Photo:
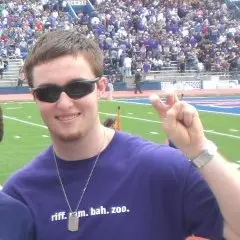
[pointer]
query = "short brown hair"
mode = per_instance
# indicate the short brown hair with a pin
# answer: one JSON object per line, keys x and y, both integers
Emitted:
{"x": 60, "y": 43}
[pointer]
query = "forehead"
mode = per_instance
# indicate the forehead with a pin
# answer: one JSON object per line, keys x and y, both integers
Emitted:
{"x": 62, "y": 70}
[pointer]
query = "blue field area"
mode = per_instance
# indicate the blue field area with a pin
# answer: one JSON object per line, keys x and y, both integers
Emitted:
{"x": 225, "y": 104}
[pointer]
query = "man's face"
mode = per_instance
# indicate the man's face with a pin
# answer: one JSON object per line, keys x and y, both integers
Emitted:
{"x": 68, "y": 119}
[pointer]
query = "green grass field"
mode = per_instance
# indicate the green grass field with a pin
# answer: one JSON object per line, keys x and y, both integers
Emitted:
{"x": 25, "y": 135}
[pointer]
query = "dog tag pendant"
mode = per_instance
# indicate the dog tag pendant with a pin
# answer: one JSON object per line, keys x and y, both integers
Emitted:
{"x": 73, "y": 222}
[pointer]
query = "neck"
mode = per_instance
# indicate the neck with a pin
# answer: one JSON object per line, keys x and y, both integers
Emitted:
{"x": 86, "y": 146}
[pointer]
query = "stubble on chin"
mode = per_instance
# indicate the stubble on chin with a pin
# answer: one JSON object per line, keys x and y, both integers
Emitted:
{"x": 67, "y": 137}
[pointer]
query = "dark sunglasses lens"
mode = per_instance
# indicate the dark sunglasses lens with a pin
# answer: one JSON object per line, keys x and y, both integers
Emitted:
{"x": 77, "y": 90}
{"x": 48, "y": 94}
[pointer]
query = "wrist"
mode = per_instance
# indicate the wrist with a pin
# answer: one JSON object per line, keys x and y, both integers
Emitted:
{"x": 205, "y": 155}
{"x": 194, "y": 150}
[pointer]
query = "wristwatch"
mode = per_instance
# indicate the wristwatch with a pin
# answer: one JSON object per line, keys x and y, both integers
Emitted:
{"x": 206, "y": 155}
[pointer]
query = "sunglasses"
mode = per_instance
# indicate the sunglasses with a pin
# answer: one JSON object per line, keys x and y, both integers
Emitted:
{"x": 75, "y": 89}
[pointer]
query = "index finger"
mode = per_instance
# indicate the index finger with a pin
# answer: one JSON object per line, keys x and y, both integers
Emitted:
{"x": 159, "y": 105}
{"x": 171, "y": 97}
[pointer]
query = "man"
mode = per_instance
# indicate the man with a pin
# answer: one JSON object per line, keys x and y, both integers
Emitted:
{"x": 110, "y": 90}
{"x": 20, "y": 78}
{"x": 95, "y": 183}
{"x": 1, "y": 68}
{"x": 137, "y": 80}
{"x": 16, "y": 221}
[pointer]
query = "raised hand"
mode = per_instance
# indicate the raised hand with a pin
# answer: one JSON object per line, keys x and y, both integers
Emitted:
{"x": 181, "y": 123}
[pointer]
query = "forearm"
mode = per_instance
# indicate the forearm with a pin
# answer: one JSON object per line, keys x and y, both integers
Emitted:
{"x": 229, "y": 233}
{"x": 224, "y": 180}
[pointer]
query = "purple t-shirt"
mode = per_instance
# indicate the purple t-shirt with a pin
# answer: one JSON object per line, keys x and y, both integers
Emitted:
{"x": 16, "y": 222}
{"x": 139, "y": 190}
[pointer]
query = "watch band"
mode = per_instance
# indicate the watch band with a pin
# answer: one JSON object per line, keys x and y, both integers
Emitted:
{"x": 206, "y": 155}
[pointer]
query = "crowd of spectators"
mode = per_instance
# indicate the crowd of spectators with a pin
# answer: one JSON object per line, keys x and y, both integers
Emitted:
{"x": 134, "y": 34}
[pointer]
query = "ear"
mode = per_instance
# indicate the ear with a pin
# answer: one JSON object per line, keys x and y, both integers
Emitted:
{"x": 101, "y": 86}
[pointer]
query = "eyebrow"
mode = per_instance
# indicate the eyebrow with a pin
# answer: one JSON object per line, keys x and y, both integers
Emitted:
{"x": 46, "y": 85}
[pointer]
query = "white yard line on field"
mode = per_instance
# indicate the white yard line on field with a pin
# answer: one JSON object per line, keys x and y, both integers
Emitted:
{"x": 13, "y": 108}
{"x": 149, "y": 104}
{"x": 45, "y": 136}
{"x": 17, "y": 137}
{"x": 123, "y": 116}
{"x": 14, "y": 102}
{"x": 154, "y": 133}
{"x": 26, "y": 122}
{"x": 233, "y": 130}
{"x": 222, "y": 134}
{"x": 135, "y": 118}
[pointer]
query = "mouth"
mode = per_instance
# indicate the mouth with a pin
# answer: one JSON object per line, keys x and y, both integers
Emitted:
{"x": 66, "y": 118}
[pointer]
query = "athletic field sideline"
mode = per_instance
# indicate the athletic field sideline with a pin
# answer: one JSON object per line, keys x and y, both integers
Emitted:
{"x": 26, "y": 135}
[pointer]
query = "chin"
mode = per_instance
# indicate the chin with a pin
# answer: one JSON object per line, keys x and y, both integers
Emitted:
{"x": 69, "y": 137}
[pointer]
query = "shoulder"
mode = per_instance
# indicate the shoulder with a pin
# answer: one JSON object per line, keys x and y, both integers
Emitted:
{"x": 10, "y": 207}
{"x": 16, "y": 221}
{"x": 151, "y": 155}
{"x": 159, "y": 165}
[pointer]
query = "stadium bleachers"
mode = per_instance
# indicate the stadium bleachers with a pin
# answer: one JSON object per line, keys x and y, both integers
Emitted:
{"x": 159, "y": 37}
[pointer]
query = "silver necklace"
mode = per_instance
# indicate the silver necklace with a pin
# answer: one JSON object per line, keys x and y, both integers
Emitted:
{"x": 73, "y": 218}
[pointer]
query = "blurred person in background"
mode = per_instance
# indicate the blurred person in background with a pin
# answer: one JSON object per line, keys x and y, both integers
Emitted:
{"x": 137, "y": 81}
{"x": 1, "y": 68}
{"x": 110, "y": 123}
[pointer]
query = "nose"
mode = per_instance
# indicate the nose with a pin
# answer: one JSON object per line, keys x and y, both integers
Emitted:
{"x": 64, "y": 101}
